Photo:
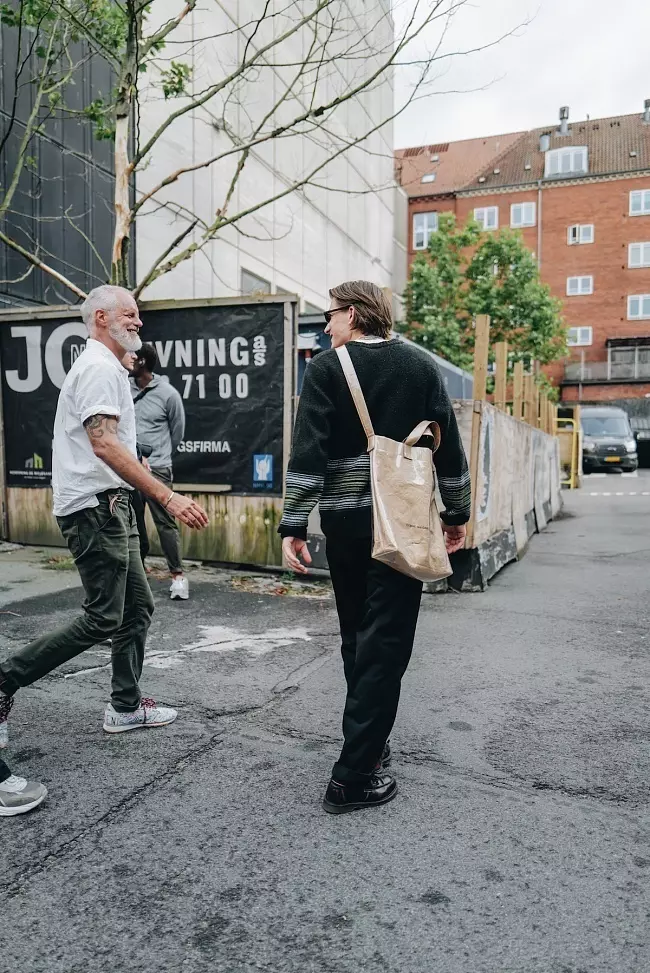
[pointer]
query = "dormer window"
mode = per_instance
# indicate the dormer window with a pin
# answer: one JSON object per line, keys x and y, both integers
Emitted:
{"x": 569, "y": 161}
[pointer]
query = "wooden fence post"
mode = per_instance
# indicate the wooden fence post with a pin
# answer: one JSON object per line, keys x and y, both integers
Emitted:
{"x": 501, "y": 380}
{"x": 518, "y": 390}
{"x": 481, "y": 353}
{"x": 543, "y": 412}
{"x": 528, "y": 398}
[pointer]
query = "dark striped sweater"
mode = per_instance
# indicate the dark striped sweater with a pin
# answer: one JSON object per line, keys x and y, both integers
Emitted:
{"x": 329, "y": 461}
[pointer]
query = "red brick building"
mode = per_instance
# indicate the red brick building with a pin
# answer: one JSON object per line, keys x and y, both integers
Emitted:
{"x": 580, "y": 194}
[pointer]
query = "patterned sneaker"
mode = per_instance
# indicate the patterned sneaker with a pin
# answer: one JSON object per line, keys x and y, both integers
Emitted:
{"x": 6, "y": 702}
{"x": 180, "y": 589}
{"x": 17, "y": 796}
{"x": 149, "y": 714}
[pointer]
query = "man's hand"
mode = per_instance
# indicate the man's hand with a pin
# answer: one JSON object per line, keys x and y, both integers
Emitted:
{"x": 294, "y": 548}
{"x": 146, "y": 464}
{"x": 454, "y": 537}
{"x": 187, "y": 511}
{"x": 102, "y": 433}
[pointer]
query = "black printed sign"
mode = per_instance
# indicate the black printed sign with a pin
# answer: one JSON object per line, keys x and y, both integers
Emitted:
{"x": 227, "y": 362}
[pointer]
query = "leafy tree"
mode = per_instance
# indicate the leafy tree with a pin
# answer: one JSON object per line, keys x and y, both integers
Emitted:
{"x": 272, "y": 71}
{"x": 466, "y": 272}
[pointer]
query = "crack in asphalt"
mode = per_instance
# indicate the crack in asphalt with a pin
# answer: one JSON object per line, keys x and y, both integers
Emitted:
{"x": 288, "y": 685}
{"x": 513, "y": 782}
{"x": 14, "y": 887}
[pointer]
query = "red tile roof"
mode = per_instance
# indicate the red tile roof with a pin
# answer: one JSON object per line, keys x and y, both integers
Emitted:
{"x": 620, "y": 144}
{"x": 458, "y": 163}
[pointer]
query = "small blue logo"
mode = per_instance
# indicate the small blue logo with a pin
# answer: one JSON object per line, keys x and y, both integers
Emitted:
{"x": 263, "y": 468}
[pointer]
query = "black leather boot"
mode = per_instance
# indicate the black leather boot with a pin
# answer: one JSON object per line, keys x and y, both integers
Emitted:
{"x": 340, "y": 798}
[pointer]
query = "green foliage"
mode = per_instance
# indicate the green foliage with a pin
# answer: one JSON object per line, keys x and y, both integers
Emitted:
{"x": 175, "y": 78}
{"x": 468, "y": 272}
{"x": 100, "y": 114}
{"x": 546, "y": 385}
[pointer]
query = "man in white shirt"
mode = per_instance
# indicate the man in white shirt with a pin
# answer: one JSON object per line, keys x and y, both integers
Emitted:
{"x": 94, "y": 469}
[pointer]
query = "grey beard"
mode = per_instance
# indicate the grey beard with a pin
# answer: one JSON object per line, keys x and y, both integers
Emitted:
{"x": 125, "y": 340}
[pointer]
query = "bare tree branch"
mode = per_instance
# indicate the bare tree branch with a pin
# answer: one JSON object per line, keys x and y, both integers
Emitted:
{"x": 33, "y": 259}
{"x": 172, "y": 246}
{"x": 160, "y": 35}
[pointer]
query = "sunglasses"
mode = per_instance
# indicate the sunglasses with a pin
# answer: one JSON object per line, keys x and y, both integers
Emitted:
{"x": 335, "y": 310}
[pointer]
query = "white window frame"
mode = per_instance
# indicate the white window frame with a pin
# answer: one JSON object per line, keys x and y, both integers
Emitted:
{"x": 583, "y": 337}
{"x": 643, "y": 197}
{"x": 567, "y": 161}
{"x": 482, "y": 217}
{"x": 430, "y": 217}
{"x": 527, "y": 215}
{"x": 428, "y": 177}
{"x": 580, "y": 234}
{"x": 582, "y": 288}
{"x": 638, "y": 255}
{"x": 642, "y": 299}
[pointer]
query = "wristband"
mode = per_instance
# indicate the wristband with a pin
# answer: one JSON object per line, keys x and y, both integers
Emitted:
{"x": 168, "y": 500}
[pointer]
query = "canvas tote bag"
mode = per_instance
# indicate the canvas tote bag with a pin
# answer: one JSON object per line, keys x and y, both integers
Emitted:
{"x": 407, "y": 534}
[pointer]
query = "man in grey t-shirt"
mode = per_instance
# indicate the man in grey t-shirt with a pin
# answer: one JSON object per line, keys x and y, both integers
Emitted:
{"x": 160, "y": 424}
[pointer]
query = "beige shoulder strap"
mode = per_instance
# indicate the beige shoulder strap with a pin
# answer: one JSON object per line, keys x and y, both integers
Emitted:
{"x": 355, "y": 389}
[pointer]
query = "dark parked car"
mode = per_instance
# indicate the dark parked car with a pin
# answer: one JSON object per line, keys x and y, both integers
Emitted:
{"x": 608, "y": 440}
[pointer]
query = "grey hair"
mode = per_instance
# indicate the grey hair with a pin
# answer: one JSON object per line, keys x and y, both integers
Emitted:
{"x": 102, "y": 298}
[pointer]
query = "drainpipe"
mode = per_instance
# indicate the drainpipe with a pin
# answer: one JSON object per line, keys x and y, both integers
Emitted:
{"x": 539, "y": 224}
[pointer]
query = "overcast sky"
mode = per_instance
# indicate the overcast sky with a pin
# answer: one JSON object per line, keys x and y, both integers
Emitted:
{"x": 592, "y": 55}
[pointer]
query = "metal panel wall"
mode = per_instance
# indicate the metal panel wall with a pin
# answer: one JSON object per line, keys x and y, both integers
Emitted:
{"x": 64, "y": 197}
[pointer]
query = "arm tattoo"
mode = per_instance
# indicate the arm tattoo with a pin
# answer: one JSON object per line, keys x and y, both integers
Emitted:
{"x": 97, "y": 426}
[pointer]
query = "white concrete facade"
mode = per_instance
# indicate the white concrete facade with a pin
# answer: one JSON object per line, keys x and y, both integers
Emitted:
{"x": 339, "y": 229}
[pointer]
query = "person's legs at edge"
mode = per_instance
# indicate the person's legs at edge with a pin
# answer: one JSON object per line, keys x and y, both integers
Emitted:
{"x": 170, "y": 539}
{"x": 98, "y": 540}
{"x": 127, "y": 709}
{"x": 384, "y": 643}
{"x": 17, "y": 795}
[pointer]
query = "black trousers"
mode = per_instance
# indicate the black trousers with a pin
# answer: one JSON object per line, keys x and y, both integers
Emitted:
{"x": 4, "y": 771}
{"x": 378, "y": 612}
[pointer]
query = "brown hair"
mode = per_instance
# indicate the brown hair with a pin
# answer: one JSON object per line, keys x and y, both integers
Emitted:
{"x": 372, "y": 311}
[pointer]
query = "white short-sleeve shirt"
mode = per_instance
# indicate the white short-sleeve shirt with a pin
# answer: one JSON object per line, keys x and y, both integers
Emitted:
{"x": 97, "y": 384}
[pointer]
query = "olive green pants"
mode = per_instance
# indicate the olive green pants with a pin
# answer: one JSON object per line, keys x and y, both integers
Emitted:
{"x": 105, "y": 545}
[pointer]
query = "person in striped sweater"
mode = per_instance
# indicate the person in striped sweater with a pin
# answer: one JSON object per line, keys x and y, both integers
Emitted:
{"x": 377, "y": 606}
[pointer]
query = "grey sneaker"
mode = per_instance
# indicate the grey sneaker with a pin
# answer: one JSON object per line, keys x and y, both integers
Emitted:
{"x": 6, "y": 702}
{"x": 149, "y": 714}
{"x": 18, "y": 796}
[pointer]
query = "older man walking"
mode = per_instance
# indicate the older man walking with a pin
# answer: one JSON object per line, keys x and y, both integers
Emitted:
{"x": 94, "y": 469}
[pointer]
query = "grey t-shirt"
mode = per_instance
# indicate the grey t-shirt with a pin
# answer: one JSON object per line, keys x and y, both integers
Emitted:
{"x": 160, "y": 419}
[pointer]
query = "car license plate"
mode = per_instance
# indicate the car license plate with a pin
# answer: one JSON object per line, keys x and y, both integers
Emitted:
{"x": 612, "y": 459}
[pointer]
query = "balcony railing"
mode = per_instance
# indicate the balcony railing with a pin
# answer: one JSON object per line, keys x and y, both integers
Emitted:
{"x": 603, "y": 371}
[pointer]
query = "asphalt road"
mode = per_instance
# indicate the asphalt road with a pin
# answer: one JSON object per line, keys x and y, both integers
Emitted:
{"x": 520, "y": 842}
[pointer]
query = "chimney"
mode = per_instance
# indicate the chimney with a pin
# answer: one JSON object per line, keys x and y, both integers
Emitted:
{"x": 564, "y": 120}
{"x": 646, "y": 113}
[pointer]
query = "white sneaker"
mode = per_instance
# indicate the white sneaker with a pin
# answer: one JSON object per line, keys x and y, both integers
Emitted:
{"x": 17, "y": 796}
{"x": 149, "y": 714}
{"x": 180, "y": 589}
